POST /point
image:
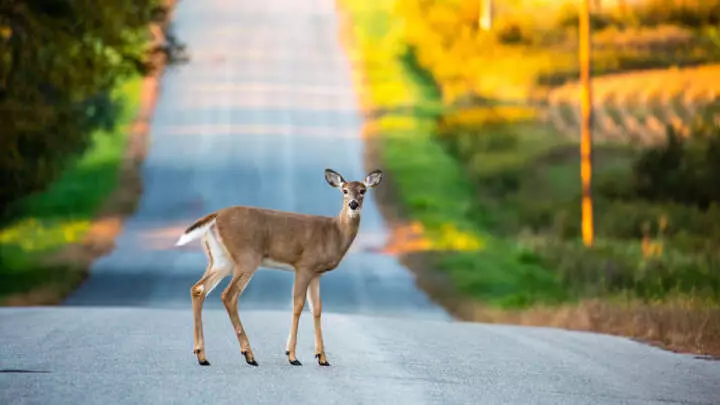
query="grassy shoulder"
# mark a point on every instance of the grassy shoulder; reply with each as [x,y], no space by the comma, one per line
[63,214]
[432,185]
[498,211]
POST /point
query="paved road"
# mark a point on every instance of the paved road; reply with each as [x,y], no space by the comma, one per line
[265,105]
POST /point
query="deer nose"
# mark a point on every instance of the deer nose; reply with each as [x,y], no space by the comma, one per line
[354,204]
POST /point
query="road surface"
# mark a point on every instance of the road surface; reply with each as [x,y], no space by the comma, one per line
[263,107]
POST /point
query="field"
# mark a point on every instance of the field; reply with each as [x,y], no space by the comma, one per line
[488,193]
[637,106]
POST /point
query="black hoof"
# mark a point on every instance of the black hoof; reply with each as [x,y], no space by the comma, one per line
[295,362]
[325,363]
[203,362]
[252,362]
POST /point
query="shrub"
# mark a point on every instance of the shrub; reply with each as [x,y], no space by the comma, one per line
[568,17]
[689,13]
[683,170]
[612,268]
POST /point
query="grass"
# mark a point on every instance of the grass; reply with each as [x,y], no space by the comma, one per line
[63,213]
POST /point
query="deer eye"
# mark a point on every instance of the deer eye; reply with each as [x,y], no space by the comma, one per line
[345,191]
[362,191]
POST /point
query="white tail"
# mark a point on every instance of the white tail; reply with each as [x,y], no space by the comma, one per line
[196,233]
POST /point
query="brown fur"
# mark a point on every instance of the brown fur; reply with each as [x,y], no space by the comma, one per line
[251,237]
[200,222]
[303,241]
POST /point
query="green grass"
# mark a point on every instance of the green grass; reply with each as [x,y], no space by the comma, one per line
[62,214]
[433,187]
[532,191]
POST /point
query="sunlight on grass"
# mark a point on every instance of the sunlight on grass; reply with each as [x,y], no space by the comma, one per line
[35,236]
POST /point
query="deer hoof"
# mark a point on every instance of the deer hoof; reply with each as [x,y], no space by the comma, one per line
[249,361]
[320,360]
[203,362]
[295,362]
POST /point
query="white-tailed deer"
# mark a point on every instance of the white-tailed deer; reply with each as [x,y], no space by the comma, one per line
[239,239]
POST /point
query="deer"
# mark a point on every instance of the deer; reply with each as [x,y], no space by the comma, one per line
[239,239]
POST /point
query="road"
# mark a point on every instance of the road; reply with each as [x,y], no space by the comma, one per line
[265,104]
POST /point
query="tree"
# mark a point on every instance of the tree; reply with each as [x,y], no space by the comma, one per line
[61,58]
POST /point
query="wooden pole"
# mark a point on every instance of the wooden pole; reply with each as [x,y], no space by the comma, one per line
[586,125]
[486,14]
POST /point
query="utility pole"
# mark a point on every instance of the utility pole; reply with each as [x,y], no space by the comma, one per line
[586,124]
[486,15]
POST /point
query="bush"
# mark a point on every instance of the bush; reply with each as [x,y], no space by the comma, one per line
[612,268]
[689,13]
[511,33]
[681,170]
[569,17]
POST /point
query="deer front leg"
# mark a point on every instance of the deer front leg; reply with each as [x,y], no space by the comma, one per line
[230,299]
[316,308]
[300,287]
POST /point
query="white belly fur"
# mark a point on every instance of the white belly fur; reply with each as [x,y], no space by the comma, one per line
[272,264]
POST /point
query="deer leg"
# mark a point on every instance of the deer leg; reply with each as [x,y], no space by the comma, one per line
[230,298]
[300,287]
[213,275]
[316,309]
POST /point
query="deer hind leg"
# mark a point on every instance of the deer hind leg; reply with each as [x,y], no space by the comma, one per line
[241,277]
[218,268]
[313,295]
[300,287]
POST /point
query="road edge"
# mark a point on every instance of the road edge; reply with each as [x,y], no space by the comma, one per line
[434,284]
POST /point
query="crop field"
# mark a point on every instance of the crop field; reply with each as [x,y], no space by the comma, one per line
[638,106]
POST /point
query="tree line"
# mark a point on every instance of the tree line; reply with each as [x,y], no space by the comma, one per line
[59,59]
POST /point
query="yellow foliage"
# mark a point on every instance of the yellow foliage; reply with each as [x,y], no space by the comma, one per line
[414,237]
[5,31]
[450,238]
[477,116]
[33,235]
[526,52]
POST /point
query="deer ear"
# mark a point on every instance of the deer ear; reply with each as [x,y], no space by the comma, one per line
[373,178]
[334,178]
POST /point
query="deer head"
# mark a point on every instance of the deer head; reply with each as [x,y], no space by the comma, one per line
[353,191]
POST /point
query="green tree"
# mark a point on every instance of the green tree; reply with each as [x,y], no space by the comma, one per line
[58,61]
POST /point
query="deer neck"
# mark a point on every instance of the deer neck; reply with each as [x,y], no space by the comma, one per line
[348,225]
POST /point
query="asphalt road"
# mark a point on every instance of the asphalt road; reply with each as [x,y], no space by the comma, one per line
[265,104]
